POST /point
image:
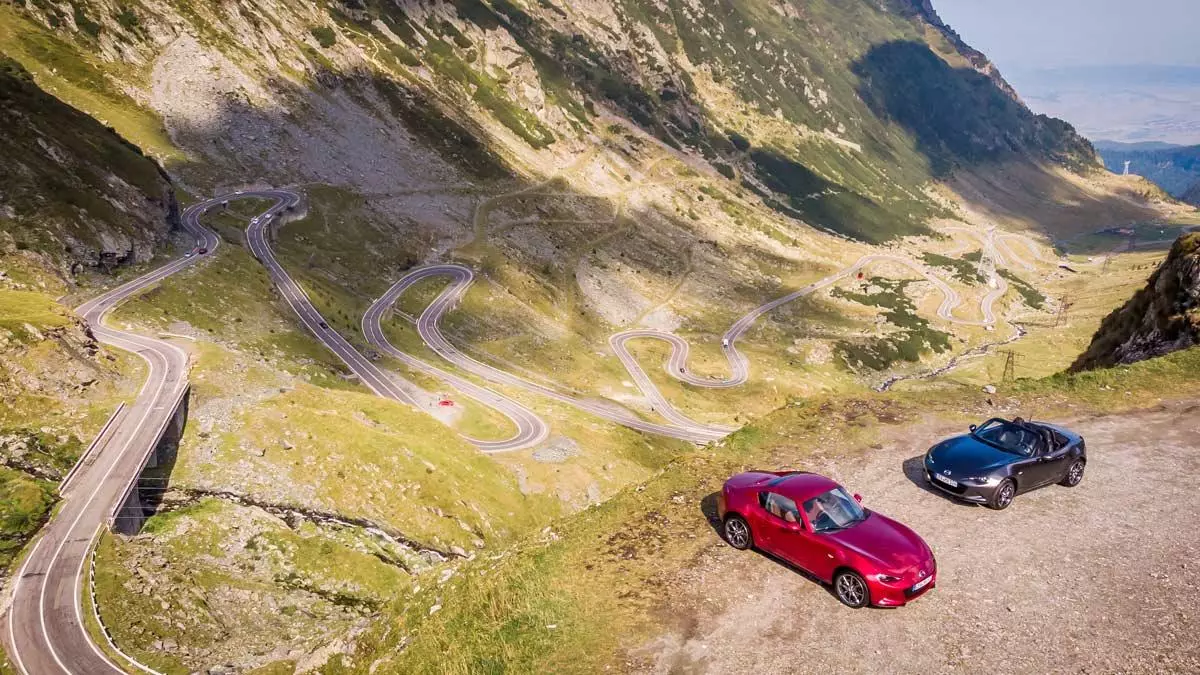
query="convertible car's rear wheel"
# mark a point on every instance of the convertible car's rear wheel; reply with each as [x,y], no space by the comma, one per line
[1003,495]
[1074,474]
[851,589]
[737,532]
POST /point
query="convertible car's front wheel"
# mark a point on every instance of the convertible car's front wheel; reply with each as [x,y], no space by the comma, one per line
[1074,474]
[851,589]
[1003,495]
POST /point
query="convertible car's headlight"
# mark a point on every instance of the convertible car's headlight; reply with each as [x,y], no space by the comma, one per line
[980,480]
[887,578]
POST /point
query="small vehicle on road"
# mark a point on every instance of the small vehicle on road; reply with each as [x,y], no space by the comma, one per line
[201,251]
[724,343]
[811,522]
[324,325]
[999,459]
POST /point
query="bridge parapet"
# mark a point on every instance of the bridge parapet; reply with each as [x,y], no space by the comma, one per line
[131,511]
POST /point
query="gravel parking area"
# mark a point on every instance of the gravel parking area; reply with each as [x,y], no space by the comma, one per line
[1100,578]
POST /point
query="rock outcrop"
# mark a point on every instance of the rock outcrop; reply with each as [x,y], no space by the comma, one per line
[71,188]
[1162,318]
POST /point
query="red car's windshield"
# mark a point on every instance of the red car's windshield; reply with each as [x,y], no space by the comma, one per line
[834,510]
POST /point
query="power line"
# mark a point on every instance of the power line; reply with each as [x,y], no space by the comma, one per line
[1064,306]
[1010,365]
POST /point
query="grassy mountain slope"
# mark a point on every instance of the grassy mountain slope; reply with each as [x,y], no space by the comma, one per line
[836,113]
[601,165]
[73,189]
[1161,318]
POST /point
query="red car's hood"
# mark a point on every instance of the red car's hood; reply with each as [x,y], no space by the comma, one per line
[892,546]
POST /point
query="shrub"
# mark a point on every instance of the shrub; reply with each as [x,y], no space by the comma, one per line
[324,35]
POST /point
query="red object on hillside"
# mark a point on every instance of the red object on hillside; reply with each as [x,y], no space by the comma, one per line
[445,403]
[860,275]
[812,522]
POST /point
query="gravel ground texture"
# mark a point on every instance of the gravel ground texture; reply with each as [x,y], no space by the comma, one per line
[1100,578]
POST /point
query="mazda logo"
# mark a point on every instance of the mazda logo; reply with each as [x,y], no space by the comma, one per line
[921,574]
[946,472]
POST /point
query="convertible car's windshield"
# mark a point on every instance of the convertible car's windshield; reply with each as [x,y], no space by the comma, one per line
[1008,437]
[834,510]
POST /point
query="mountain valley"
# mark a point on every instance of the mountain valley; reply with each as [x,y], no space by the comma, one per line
[651,242]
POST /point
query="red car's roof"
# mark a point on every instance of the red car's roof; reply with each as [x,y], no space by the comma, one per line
[798,486]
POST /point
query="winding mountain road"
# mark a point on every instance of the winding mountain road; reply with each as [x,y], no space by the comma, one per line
[680,426]
[531,430]
[428,327]
[45,632]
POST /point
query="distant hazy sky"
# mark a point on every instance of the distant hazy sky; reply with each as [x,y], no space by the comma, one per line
[1029,34]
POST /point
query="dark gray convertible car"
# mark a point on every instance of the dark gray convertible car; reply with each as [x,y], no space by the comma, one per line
[1000,459]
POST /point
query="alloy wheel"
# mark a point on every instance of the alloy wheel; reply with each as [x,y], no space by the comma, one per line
[1006,495]
[850,590]
[1075,474]
[737,533]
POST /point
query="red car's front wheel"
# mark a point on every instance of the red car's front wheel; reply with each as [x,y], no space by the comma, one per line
[851,589]
[737,532]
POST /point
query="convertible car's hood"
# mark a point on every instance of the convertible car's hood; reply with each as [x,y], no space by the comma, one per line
[891,545]
[966,456]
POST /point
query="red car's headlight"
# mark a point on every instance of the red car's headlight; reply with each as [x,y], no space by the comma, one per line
[887,578]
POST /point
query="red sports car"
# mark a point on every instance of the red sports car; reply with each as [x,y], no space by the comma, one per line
[813,523]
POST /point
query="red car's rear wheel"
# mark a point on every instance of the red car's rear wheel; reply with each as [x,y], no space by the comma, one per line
[737,532]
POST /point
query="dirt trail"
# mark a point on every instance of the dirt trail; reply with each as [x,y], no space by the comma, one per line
[1100,578]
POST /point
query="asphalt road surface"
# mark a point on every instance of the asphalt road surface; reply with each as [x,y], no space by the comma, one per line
[44,632]
[531,430]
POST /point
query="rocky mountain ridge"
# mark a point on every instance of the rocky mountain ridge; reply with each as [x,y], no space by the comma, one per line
[71,189]
[1161,318]
[836,114]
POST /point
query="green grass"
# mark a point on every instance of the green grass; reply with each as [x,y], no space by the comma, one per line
[1032,296]
[25,503]
[914,337]
[963,270]
[220,566]
[39,310]
[324,36]
[66,71]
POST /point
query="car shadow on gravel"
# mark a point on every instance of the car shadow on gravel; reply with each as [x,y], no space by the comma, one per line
[914,471]
[708,507]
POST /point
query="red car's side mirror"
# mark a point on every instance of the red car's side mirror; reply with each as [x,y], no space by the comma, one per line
[857,497]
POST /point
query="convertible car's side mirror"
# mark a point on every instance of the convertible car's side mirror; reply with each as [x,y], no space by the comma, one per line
[972,427]
[857,497]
